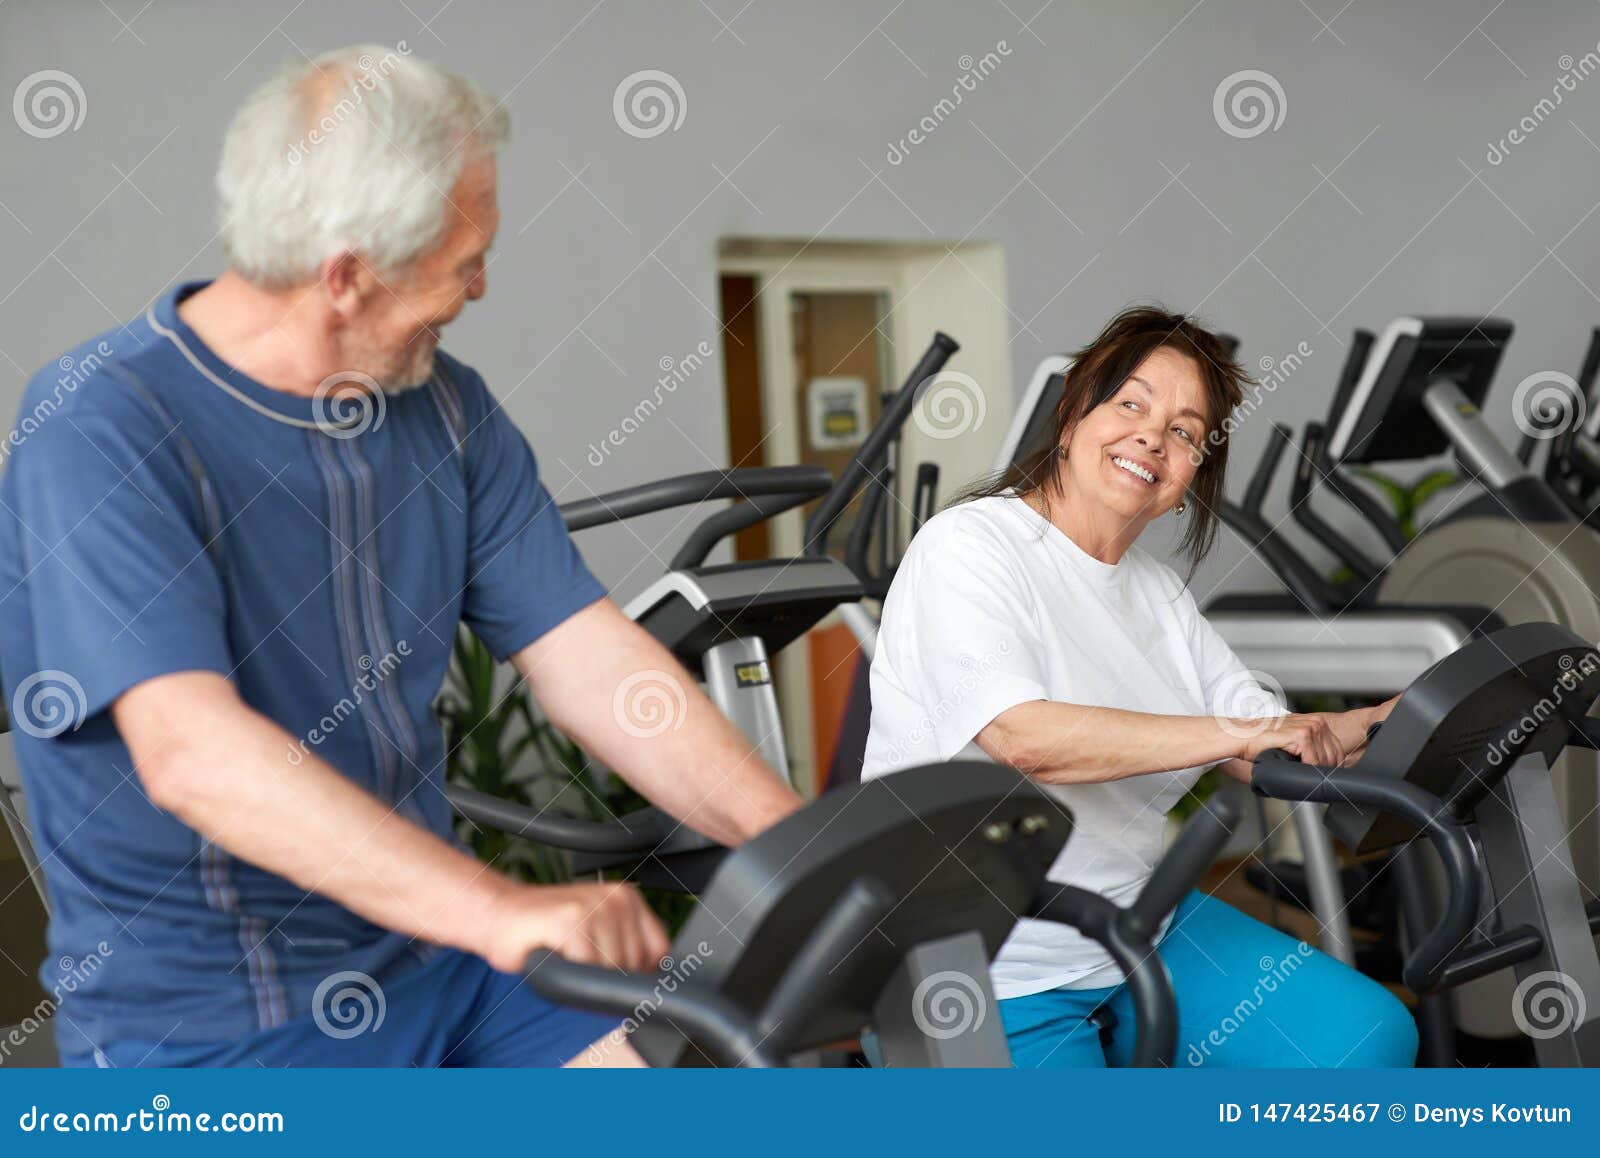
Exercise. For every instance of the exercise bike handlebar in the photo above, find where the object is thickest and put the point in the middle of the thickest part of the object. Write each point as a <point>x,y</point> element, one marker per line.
<point>711,1020</point>
<point>636,832</point>
<point>1279,775</point>
<point>814,975</point>
<point>731,520</point>
<point>1179,871</point>
<point>1129,934</point>
<point>687,489</point>
<point>870,454</point>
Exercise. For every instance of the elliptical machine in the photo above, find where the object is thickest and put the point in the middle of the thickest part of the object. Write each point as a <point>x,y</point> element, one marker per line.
<point>1513,554</point>
<point>1515,551</point>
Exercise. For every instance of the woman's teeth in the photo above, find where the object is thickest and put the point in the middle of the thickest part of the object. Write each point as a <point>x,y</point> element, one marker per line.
<point>1133,468</point>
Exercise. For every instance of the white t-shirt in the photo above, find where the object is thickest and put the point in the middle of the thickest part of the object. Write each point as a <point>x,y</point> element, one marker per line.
<point>994,606</point>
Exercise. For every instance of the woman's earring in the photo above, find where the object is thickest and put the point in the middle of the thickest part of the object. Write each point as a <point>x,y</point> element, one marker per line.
<point>1061,452</point>
<point>1180,508</point>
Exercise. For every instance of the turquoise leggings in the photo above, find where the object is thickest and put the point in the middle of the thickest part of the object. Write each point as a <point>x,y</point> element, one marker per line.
<point>1248,997</point>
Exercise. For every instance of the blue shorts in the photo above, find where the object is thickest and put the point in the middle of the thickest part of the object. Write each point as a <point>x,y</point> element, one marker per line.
<point>1248,997</point>
<point>454,1012</point>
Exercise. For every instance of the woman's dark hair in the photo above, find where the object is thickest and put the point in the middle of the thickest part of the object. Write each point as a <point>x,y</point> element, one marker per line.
<point>1098,372</point>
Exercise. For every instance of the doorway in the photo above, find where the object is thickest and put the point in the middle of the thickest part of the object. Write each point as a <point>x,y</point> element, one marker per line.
<point>815,335</point>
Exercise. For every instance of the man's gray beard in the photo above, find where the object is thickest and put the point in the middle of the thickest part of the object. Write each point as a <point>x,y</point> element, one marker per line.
<point>413,374</point>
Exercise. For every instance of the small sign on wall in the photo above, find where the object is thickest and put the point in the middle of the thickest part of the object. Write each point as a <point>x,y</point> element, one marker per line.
<point>836,411</point>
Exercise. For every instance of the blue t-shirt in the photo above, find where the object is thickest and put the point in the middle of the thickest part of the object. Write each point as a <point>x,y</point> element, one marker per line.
<point>161,512</point>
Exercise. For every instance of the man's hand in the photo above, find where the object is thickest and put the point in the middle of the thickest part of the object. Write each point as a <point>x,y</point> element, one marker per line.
<point>595,924</point>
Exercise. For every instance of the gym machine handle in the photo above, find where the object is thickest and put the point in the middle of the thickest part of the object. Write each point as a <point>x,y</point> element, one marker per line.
<point>1178,872</point>
<point>1353,496</point>
<point>812,978</point>
<point>869,455</point>
<point>731,520</point>
<point>1303,580</point>
<point>1279,775</point>
<point>1128,934</point>
<point>925,496</point>
<point>1149,984</point>
<point>636,832</point>
<point>1313,466</point>
<point>874,584</point>
<point>685,490</point>
<point>708,1018</point>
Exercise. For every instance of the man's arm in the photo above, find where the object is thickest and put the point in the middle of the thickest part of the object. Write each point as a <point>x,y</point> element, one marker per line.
<point>601,678</point>
<point>225,770</point>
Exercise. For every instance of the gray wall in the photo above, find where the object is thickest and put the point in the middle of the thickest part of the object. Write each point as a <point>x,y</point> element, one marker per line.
<point>1098,105</point>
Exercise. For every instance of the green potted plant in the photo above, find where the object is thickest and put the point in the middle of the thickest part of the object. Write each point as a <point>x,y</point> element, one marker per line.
<point>499,742</point>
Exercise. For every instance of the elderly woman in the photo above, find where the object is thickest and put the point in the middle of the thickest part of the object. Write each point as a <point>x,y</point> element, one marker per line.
<point>1025,626</point>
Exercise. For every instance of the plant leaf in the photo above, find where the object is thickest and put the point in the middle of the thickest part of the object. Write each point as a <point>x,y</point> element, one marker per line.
<point>1431,484</point>
<point>1398,495</point>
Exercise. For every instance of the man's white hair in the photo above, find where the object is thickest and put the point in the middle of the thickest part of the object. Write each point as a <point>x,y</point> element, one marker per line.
<point>356,150</point>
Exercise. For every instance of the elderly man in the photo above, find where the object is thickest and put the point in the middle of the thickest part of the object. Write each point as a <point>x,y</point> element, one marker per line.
<point>270,494</point>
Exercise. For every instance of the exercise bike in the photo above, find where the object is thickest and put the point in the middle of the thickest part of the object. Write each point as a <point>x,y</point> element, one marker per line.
<point>879,906</point>
<point>1463,766</point>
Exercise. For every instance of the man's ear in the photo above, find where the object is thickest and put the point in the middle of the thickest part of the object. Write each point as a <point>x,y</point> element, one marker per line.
<point>345,280</point>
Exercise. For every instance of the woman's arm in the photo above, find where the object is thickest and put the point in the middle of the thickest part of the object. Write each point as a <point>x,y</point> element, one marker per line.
<point>1058,743</point>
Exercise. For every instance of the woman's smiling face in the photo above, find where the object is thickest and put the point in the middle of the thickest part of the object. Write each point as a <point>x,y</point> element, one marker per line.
<point>1135,454</point>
